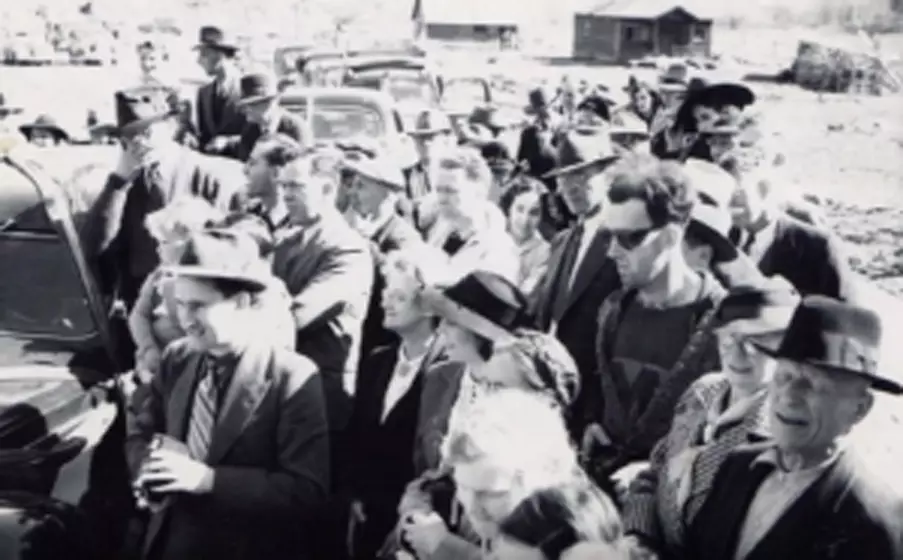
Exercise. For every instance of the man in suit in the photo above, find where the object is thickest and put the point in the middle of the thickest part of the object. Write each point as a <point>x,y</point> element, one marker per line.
<point>580,275</point>
<point>811,258</point>
<point>231,448</point>
<point>220,120</point>
<point>262,195</point>
<point>260,103</point>
<point>374,193</point>
<point>808,495</point>
<point>152,171</point>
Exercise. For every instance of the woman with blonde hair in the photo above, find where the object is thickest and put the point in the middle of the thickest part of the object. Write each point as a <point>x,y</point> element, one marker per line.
<point>152,322</point>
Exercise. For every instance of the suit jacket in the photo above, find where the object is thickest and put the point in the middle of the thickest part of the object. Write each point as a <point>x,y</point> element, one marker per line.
<point>841,516</point>
<point>397,233</point>
<point>218,112</point>
<point>810,258</point>
<point>328,269</point>
<point>289,125</point>
<point>269,453</point>
<point>115,226</point>
<point>577,323</point>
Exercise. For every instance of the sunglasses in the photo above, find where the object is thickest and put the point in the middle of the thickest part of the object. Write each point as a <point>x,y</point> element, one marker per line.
<point>630,240</point>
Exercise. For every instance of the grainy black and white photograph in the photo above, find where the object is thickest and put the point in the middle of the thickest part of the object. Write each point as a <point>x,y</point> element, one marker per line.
<point>451,280</point>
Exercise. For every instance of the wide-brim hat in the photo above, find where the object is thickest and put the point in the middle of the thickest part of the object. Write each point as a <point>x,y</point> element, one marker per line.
<point>140,107</point>
<point>837,336</point>
<point>629,128</point>
<point>537,98</point>
<point>223,255</point>
<point>213,37</point>
<point>46,123</point>
<point>724,93</point>
<point>431,122</point>
<point>710,219</point>
<point>576,151</point>
<point>6,110</point>
<point>676,78</point>
<point>487,116</point>
<point>597,105</point>
<point>257,87</point>
<point>482,302</point>
<point>760,308</point>
<point>379,169</point>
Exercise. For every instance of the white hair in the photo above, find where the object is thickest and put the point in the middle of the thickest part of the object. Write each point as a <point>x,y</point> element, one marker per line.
<point>518,430</point>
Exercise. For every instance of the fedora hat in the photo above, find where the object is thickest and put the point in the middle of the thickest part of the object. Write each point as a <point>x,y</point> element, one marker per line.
<point>763,307</point>
<point>256,87</point>
<point>213,37</point>
<point>482,302</point>
<point>837,336</point>
<point>487,117</point>
<point>576,151</point>
<point>629,130</point>
<point>379,169</point>
<point>597,105</point>
<point>5,109</point>
<point>140,107</point>
<point>537,98</point>
<point>46,123</point>
<point>217,254</point>
<point>676,77</point>
<point>710,219</point>
<point>724,93</point>
<point>431,122</point>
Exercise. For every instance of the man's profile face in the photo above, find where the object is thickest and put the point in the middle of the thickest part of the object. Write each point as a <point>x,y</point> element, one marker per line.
<point>261,177</point>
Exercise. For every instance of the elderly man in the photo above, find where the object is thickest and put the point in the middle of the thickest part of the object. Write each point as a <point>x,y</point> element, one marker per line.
<point>152,171</point>
<point>231,448</point>
<point>805,495</point>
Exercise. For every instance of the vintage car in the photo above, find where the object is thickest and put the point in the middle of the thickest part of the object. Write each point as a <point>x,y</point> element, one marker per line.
<point>336,114</point>
<point>64,484</point>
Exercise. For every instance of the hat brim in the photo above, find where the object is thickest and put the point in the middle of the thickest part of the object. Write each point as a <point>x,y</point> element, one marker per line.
<point>245,101</point>
<point>878,383</point>
<point>145,122</point>
<point>254,283</point>
<point>57,132</point>
<point>430,132</point>
<point>451,311</point>
<point>362,170</point>
<point>559,171</point>
<point>228,49</point>
<point>722,249</point>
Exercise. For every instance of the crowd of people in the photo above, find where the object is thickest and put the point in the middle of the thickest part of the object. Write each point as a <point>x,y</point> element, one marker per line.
<point>619,341</point>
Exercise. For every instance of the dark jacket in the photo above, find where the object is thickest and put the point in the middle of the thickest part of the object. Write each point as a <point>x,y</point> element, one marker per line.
<point>576,315</point>
<point>842,516</point>
<point>269,452</point>
<point>813,260</point>
<point>289,125</point>
<point>218,111</point>
<point>114,230</point>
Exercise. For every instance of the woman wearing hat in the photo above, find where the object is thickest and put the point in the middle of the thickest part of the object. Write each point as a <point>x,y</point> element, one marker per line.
<point>44,131</point>
<point>717,413</point>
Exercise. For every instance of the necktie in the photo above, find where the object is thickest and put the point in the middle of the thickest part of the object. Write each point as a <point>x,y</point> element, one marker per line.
<point>566,270</point>
<point>203,414</point>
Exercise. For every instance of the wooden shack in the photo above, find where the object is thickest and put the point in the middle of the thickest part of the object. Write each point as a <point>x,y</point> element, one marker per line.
<point>623,30</point>
<point>487,23</point>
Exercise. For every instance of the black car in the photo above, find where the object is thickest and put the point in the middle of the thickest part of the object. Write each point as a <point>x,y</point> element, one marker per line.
<point>64,484</point>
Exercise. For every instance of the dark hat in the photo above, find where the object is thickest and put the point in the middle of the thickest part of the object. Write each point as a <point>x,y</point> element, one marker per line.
<point>764,306</point>
<point>719,94</point>
<point>495,150</point>
<point>482,302</point>
<point>46,123</point>
<point>488,117</point>
<point>536,99</point>
<point>218,254</point>
<point>8,109</point>
<point>596,105</point>
<point>576,151</point>
<point>259,86</point>
<point>837,336</point>
<point>431,122</point>
<point>213,37</point>
<point>137,108</point>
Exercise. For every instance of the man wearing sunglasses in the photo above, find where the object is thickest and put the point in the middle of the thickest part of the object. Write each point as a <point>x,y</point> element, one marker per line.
<point>654,337</point>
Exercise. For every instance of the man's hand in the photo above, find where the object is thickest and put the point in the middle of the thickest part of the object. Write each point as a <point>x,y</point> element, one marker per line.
<point>637,550</point>
<point>217,145</point>
<point>128,164</point>
<point>424,532</point>
<point>167,471</point>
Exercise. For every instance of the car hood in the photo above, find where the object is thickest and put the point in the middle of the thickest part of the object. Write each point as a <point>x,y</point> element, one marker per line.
<point>36,401</point>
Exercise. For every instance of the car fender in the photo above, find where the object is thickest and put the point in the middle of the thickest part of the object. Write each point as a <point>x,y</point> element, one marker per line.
<point>34,526</point>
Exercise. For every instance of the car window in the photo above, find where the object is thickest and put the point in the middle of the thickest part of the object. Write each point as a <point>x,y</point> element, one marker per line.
<point>41,291</point>
<point>410,87</point>
<point>21,207</point>
<point>342,119</point>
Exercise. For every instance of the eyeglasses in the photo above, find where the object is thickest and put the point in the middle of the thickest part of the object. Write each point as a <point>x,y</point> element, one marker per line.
<point>630,240</point>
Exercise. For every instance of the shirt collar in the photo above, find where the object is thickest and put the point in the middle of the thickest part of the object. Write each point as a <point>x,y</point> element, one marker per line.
<point>770,457</point>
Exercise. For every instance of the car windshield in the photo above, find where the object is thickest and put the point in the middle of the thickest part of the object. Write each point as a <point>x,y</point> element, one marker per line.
<point>341,118</point>
<point>410,87</point>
